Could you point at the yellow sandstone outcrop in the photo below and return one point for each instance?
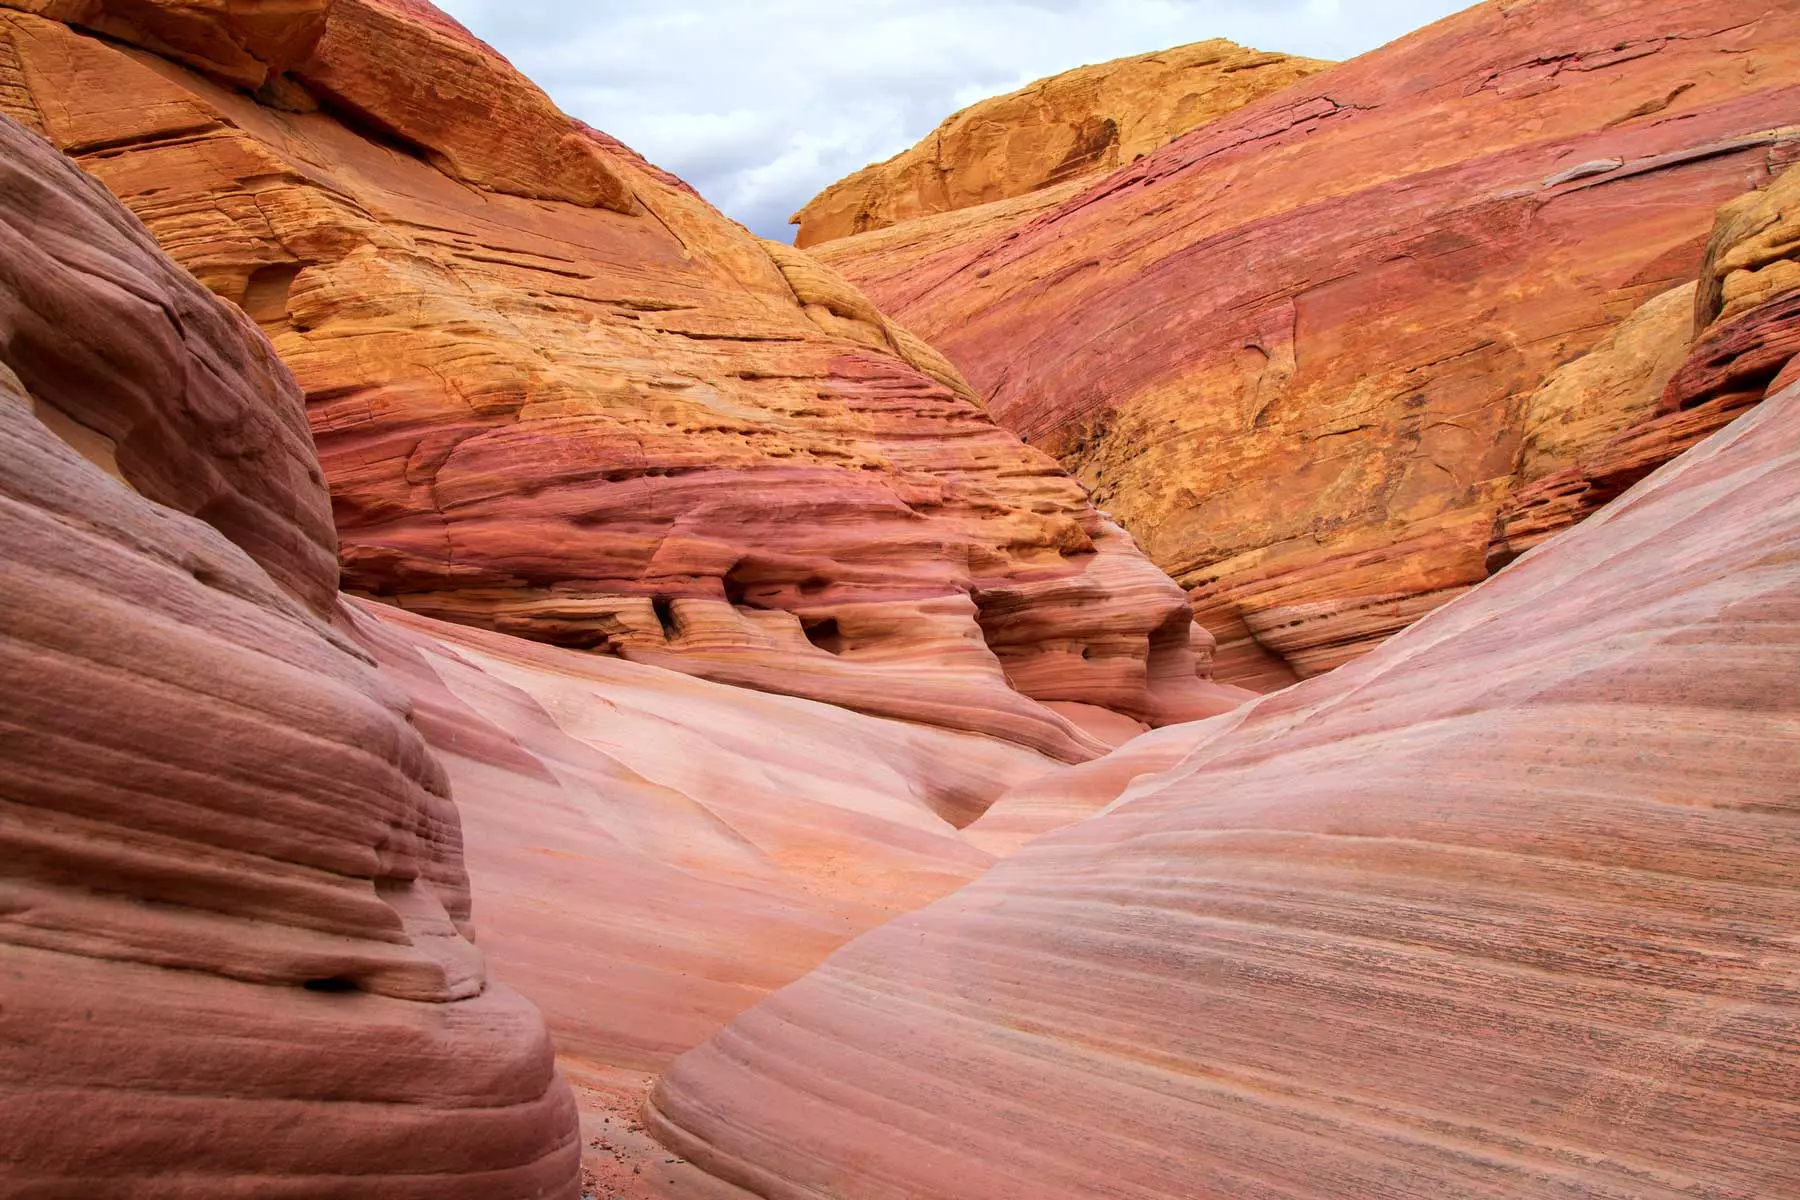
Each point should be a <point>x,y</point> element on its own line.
<point>1078,123</point>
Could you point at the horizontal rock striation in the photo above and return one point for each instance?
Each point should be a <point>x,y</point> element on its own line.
<point>1503,909</point>
<point>558,396</point>
<point>234,918</point>
<point>1080,123</point>
<point>1295,353</point>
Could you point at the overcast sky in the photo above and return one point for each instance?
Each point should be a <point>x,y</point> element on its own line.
<point>761,103</point>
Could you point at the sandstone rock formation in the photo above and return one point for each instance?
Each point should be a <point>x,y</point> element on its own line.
<point>1080,123</point>
<point>1684,365</point>
<point>245,43</point>
<point>1293,352</point>
<point>558,396</point>
<point>234,918</point>
<point>737,628</point>
<point>1503,909</point>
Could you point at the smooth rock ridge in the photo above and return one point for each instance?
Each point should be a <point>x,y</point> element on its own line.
<point>235,942</point>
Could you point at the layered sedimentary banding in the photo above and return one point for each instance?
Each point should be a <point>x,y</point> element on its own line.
<point>605,417</point>
<point>234,918</point>
<point>1503,909</point>
<point>1292,352</point>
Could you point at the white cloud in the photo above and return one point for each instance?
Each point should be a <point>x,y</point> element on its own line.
<point>760,105</point>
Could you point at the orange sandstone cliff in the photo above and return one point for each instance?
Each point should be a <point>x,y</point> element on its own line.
<point>1080,123</point>
<point>1688,362</point>
<point>1298,352</point>
<point>557,395</point>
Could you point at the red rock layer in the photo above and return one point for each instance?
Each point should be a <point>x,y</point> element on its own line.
<point>234,919</point>
<point>1290,351</point>
<point>558,396</point>
<point>1503,909</point>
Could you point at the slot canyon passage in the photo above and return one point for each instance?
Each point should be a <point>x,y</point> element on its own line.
<point>1227,625</point>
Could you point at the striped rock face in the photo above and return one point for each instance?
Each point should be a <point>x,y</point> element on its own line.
<point>557,395</point>
<point>1294,353</point>
<point>235,939</point>
<point>1503,909</point>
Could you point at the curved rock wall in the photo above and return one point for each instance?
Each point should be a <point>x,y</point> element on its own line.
<point>234,918</point>
<point>1292,351</point>
<point>1070,126</point>
<point>1503,909</point>
<point>607,417</point>
<point>655,852</point>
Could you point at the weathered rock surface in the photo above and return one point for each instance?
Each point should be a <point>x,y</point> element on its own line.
<point>1293,351</point>
<point>1503,909</point>
<point>235,951</point>
<point>1083,122</point>
<point>603,416</point>
<point>1617,383</point>
<point>653,853</point>
<point>1683,366</point>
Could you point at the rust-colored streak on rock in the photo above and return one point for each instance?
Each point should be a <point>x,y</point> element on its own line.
<point>1066,127</point>
<point>1291,352</point>
<point>234,917</point>
<point>1503,909</point>
<point>640,432</point>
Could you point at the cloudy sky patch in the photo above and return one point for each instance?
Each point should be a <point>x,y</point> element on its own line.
<point>761,103</point>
